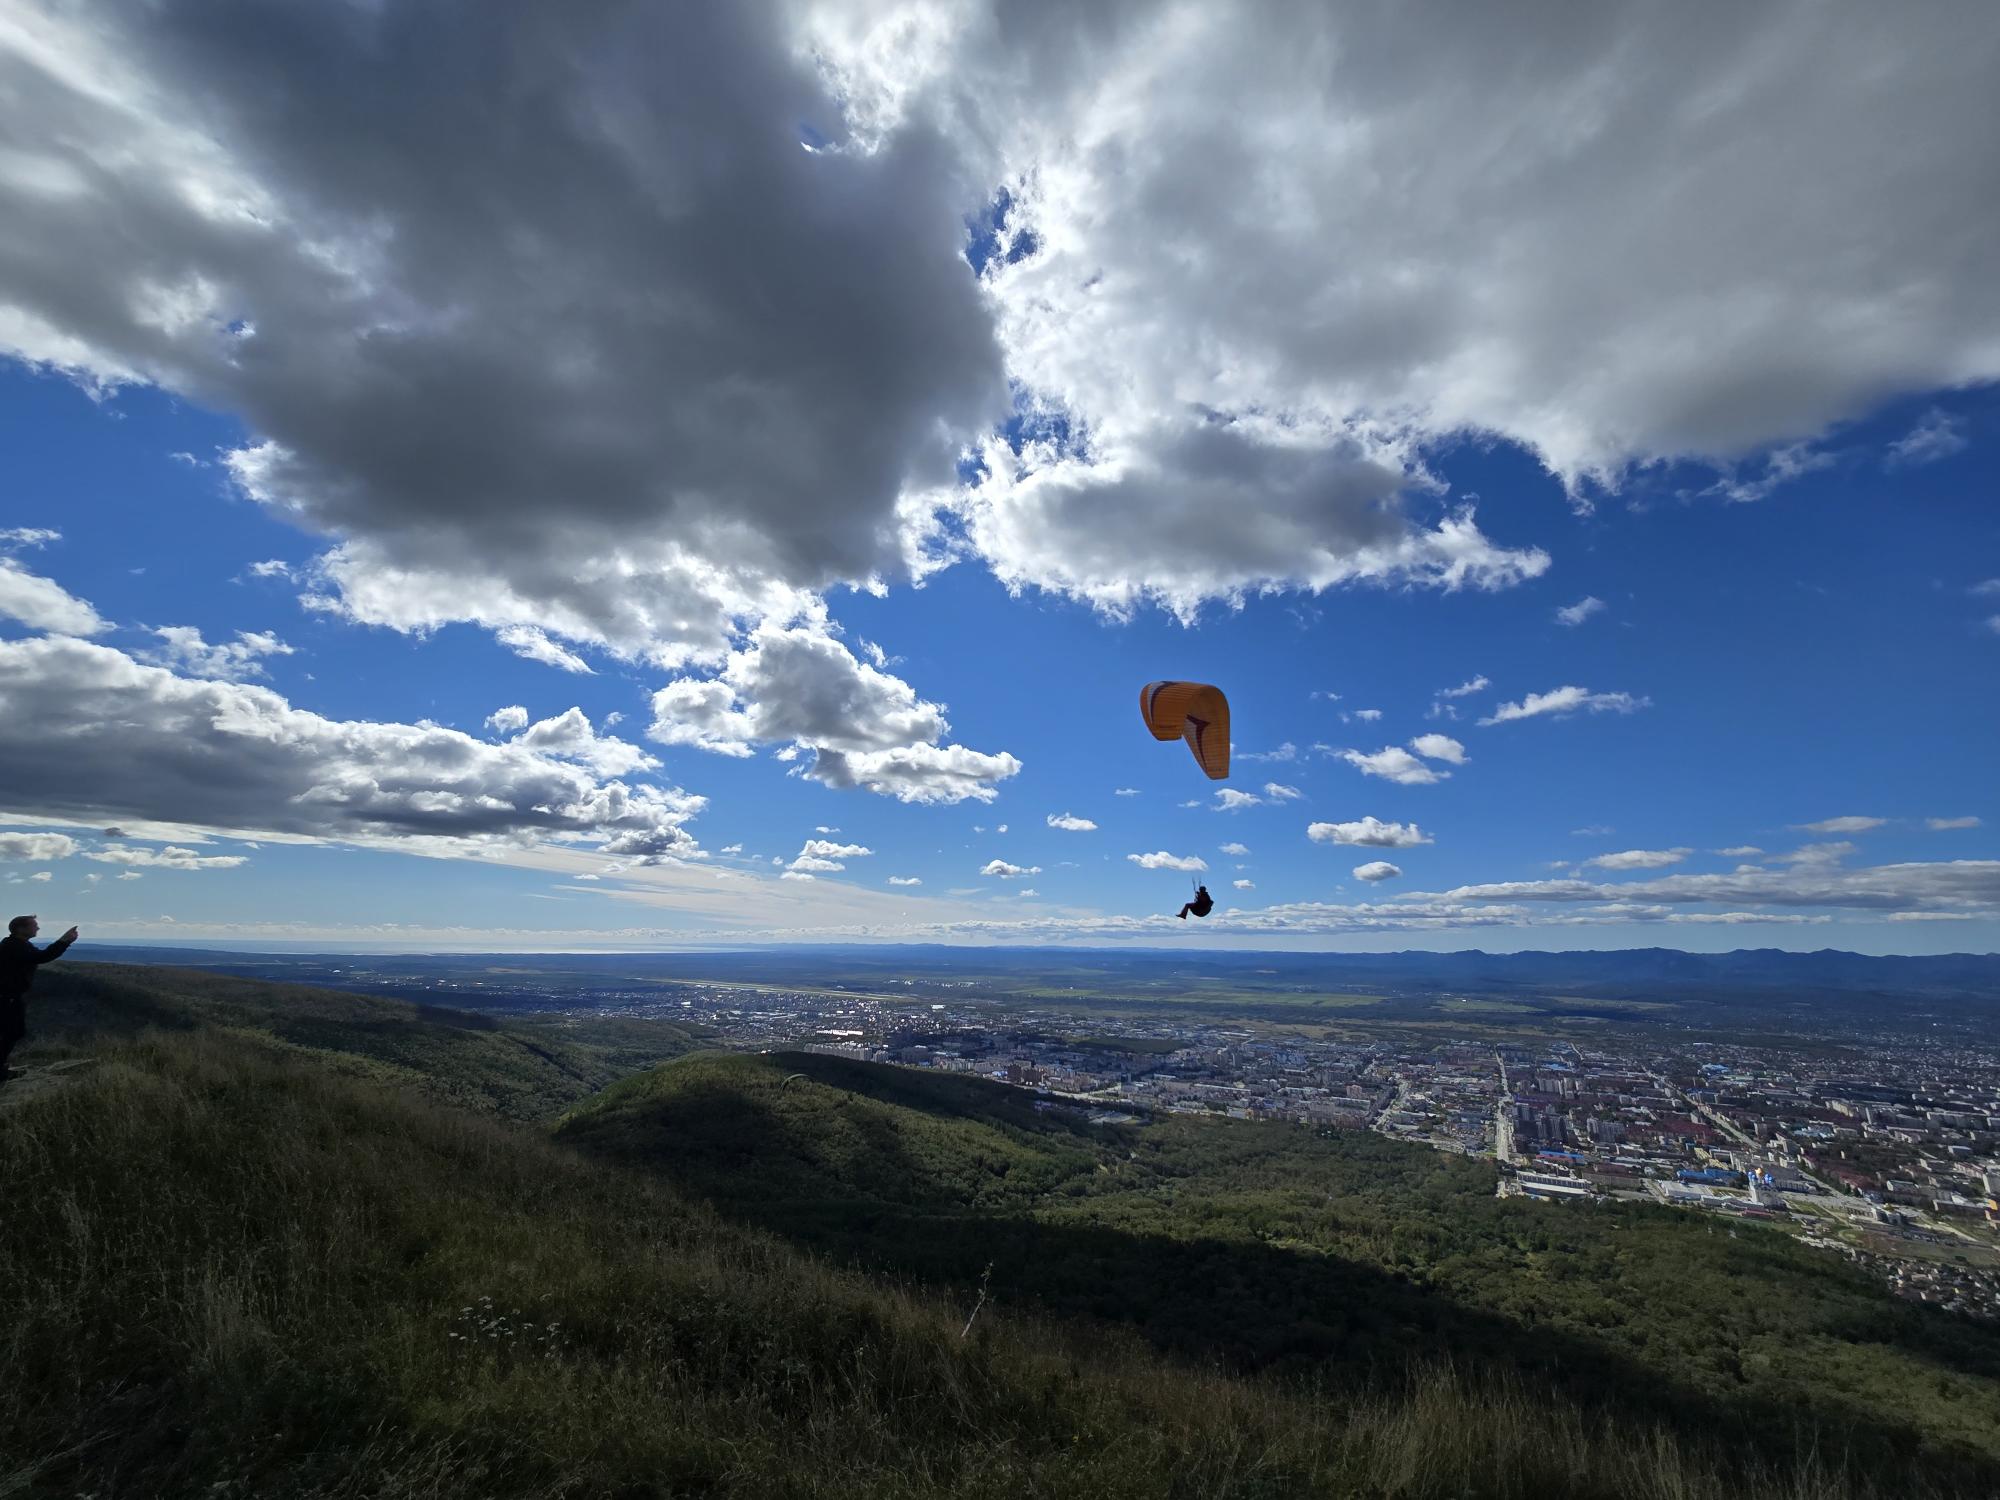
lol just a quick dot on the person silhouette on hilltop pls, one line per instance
(1202, 904)
(19, 959)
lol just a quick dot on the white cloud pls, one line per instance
(1005, 871)
(1165, 861)
(1583, 609)
(1465, 689)
(96, 735)
(38, 847)
(1286, 751)
(231, 661)
(1594, 831)
(1244, 885)
(1024, 894)
(917, 773)
(1126, 791)
(592, 390)
(1229, 799)
(1842, 825)
(41, 604)
(1369, 832)
(1376, 870)
(905, 880)
(173, 857)
(1566, 700)
(865, 727)
(569, 734)
(1986, 588)
(1071, 823)
(527, 641)
(1439, 747)
(1937, 435)
(1394, 763)
(1237, 850)
(732, 849)
(1741, 851)
(1639, 859)
(1993, 624)
(1278, 792)
(824, 857)
(508, 720)
(1781, 466)
(13, 538)
(1360, 716)
(43, 875)
(272, 567)
(1939, 825)
(1818, 881)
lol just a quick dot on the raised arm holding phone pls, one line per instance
(19, 958)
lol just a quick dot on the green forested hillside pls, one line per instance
(241, 1258)
(1336, 1257)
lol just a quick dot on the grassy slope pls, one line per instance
(528, 1068)
(240, 1265)
(1336, 1258)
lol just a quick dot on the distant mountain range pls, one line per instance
(1966, 975)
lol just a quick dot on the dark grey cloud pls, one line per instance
(89, 733)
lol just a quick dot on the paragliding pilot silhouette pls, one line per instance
(1202, 904)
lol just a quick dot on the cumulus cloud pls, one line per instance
(1565, 700)
(1394, 763)
(1161, 860)
(1279, 792)
(1583, 609)
(41, 604)
(508, 720)
(865, 727)
(1740, 851)
(1376, 870)
(824, 857)
(38, 847)
(13, 538)
(1229, 799)
(1244, 885)
(1126, 791)
(1842, 825)
(917, 773)
(1005, 871)
(905, 880)
(1071, 823)
(1286, 751)
(1369, 832)
(1439, 747)
(1939, 825)
(1360, 715)
(1639, 859)
(98, 736)
(1937, 435)
(1238, 850)
(569, 734)
(184, 650)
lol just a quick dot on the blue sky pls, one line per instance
(854, 571)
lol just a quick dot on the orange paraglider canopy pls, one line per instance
(1191, 711)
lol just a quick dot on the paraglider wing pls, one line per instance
(1191, 711)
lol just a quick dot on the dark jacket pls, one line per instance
(19, 959)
